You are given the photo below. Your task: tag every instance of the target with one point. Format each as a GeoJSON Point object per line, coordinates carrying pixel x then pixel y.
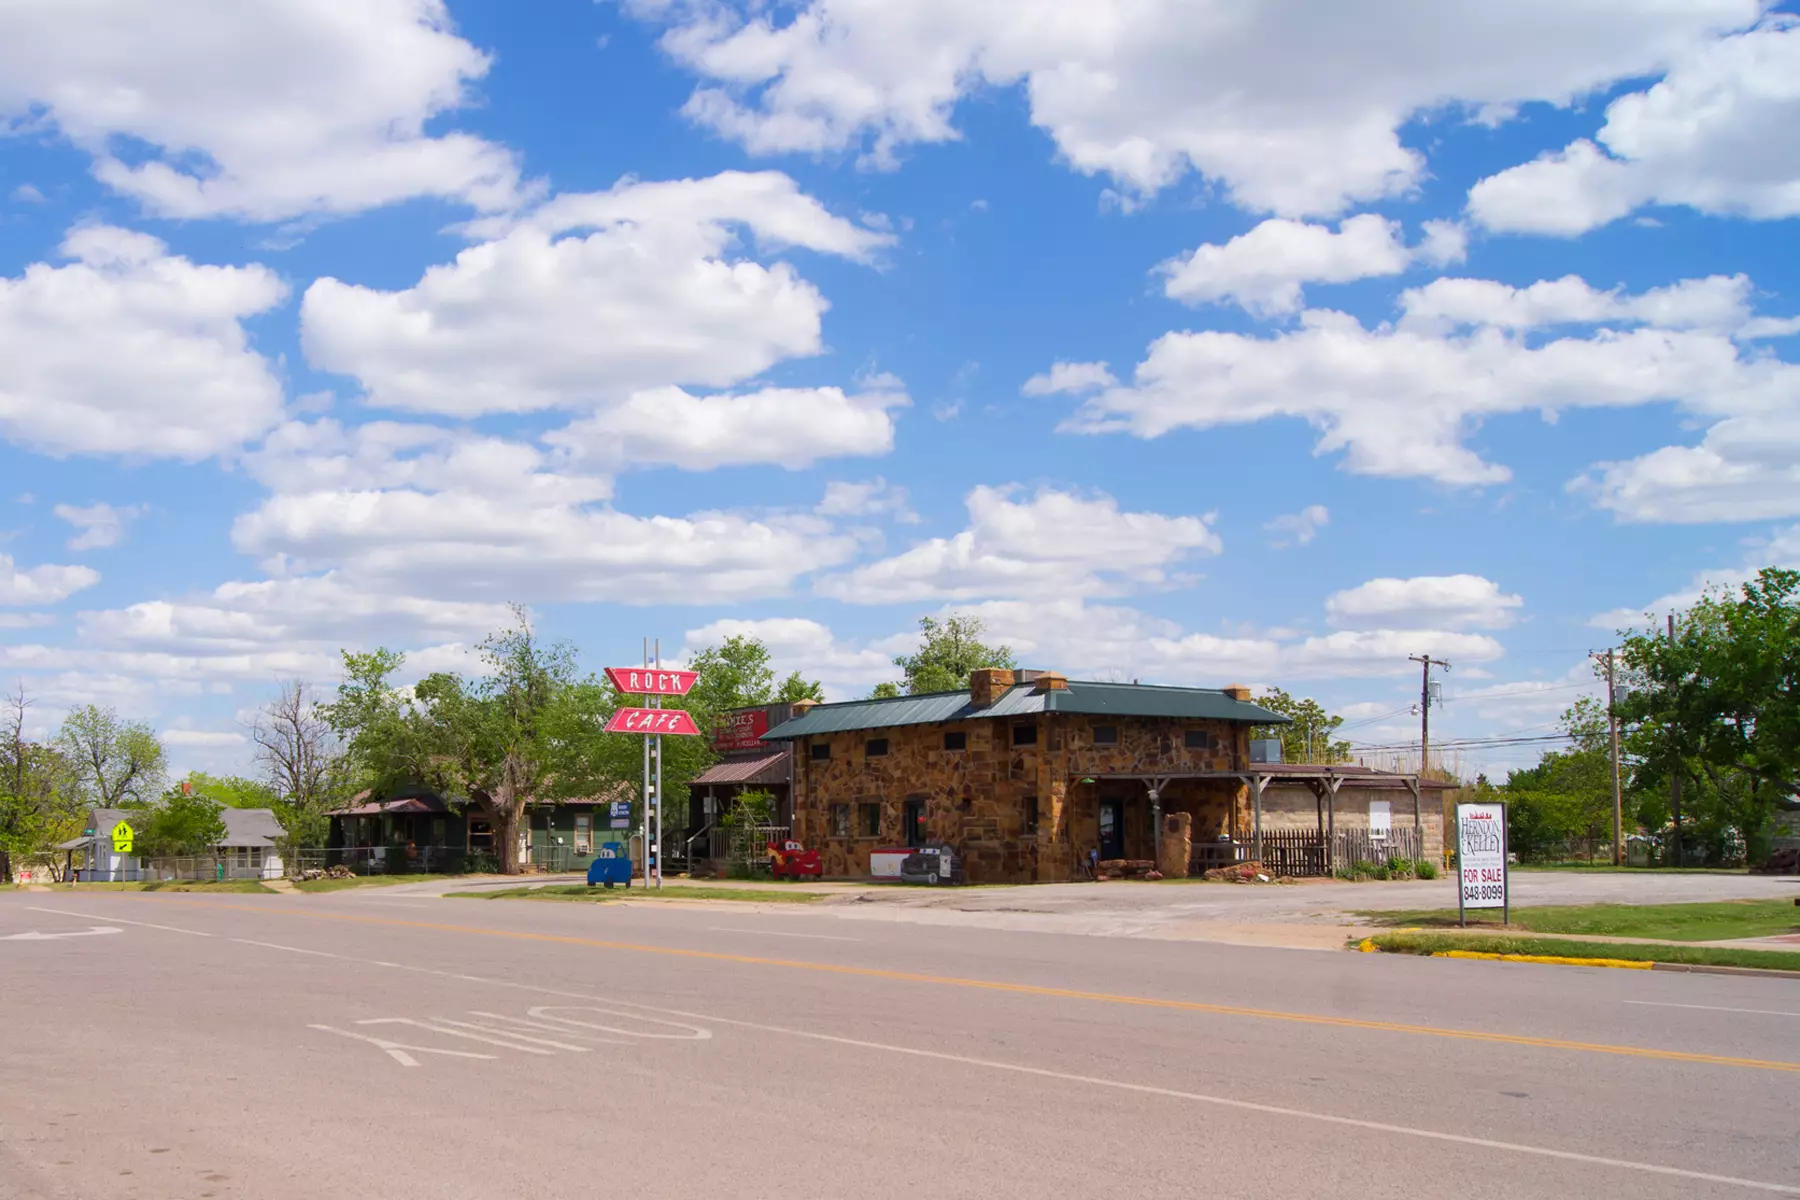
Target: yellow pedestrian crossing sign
{"type": "Point", "coordinates": [122, 838]}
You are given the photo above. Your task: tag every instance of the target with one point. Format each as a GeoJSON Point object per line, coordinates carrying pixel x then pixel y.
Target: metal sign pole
{"type": "Point", "coordinates": [1505, 865]}
{"type": "Point", "coordinates": [659, 783]}
{"type": "Point", "coordinates": [645, 792]}
{"type": "Point", "coordinates": [1462, 913]}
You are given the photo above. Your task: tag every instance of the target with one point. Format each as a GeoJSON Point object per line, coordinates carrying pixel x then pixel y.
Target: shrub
{"type": "Point", "coordinates": [1425, 869]}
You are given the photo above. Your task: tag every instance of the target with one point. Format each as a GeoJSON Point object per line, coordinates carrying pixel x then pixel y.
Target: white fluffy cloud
{"type": "Point", "coordinates": [1721, 134]}
{"type": "Point", "coordinates": [591, 299]}
{"type": "Point", "coordinates": [420, 510]}
{"type": "Point", "coordinates": [1745, 468]}
{"type": "Point", "coordinates": [1423, 602]}
{"type": "Point", "coordinates": [1401, 401]}
{"type": "Point", "coordinates": [130, 350]}
{"type": "Point", "coordinates": [1298, 528]}
{"type": "Point", "coordinates": [797, 644]}
{"type": "Point", "coordinates": [1145, 90]}
{"type": "Point", "coordinates": [42, 585]}
{"type": "Point", "coordinates": [789, 427]}
{"type": "Point", "coordinates": [1717, 302]}
{"type": "Point", "coordinates": [1070, 378]}
{"type": "Point", "coordinates": [1048, 543]}
{"type": "Point", "coordinates": [100, 525]}
{"type": "Point", "coordinates": [866, 498]}
{"type": "Point", "coordinates": [1264, 270]}
{"type": "Point", "coordinates": [254, 110]}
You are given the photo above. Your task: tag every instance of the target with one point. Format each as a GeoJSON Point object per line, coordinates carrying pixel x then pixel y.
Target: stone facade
{"type": "Point", "coordinates": [1021, 799]}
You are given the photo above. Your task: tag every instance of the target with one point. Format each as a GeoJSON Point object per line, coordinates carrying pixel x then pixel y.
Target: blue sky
{"type": "Point", "coordinates": [1227, 342]}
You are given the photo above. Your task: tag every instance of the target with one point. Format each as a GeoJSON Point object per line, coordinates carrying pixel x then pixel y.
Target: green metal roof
{"type": "Point", "coordinates": [1023, 699]}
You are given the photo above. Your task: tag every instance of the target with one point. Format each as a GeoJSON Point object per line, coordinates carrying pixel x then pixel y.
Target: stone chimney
{"type": "Point", "coordinates": [988, 685]}
{"type": "Point", "coordinates": [802, 707]}
{"type": "Point", "coordinates": [1238, 691]}
{"type": "Point", "coordinates": [1050, 681]}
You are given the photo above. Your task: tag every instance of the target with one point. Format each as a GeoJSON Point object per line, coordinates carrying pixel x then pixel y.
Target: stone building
{"type": "Point", "coordinates": [1030, 776]}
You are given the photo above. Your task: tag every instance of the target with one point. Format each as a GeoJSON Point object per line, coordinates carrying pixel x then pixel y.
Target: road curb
{"type": "Point", "coordinates": [1368, 946]}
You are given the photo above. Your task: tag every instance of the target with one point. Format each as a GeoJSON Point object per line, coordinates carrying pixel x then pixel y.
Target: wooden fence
{"type": "Point", "coordinates": [1301, 852]}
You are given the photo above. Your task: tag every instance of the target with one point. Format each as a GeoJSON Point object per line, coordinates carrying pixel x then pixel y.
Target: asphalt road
{"type": "Point", "coordinates": [369, 1044]}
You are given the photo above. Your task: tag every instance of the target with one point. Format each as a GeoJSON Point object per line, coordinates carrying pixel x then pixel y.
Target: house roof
{"type": "Point", "coordinates": [249, 828]}
{"type": "Point", "coordinates": [766, 768]}
{"type": "Point", "coordinates": [1023, 699]}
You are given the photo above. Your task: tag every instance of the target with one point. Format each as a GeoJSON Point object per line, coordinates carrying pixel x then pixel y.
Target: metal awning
{"type": "Point", "coordinates": [766, 768]}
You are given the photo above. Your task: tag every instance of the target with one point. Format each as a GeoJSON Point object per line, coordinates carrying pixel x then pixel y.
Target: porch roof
{"type": "Point", "coordinates": [766, 768]}
{"type": "Point", "coordinates": [1346, 774]}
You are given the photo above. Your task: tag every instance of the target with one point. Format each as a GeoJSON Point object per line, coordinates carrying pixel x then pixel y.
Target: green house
{"type": "Point", "coordinates": [418, 831]}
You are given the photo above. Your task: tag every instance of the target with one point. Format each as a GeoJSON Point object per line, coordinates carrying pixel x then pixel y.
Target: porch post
{"type": "Point", "coordinates": [1418, 828]}
{"type": "Point", "coordinates": [1156, 820]}
{"type": "Point", "coordinates": [1257, 783]}
{"type": "Point", "coordinates": [1332, 783]}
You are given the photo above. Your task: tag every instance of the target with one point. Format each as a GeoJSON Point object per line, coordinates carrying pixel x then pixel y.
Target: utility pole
{"type": "Point", "coordinates": [1612, 733]}
{"type": "Point", "coordinates": [1675, 779]}
{"type": "Point", "coordinates": [1426, 662]}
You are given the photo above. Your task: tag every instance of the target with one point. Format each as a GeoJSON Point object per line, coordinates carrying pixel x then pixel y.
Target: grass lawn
{"type": "Point", "coordinates": [1715, 921]}
{"type": "Point", "coordinates": [581, 891]}
{"type": "Point", "coordinates": [356, 881]}
{"type": "Point", "coordinates": [1491, 943]}
{"type": "Point", "coordinates": [1608, 868]}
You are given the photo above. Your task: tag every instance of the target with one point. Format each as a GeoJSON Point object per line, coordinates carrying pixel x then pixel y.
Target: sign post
{"type": "Point", "coordinates": [1482, 879]}
{"type": "Point", "coordinates": [653, 682]}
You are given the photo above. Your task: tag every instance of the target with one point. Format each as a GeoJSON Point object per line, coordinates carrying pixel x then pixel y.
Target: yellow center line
{"type": "Point", "coordinates": [1026, 989]}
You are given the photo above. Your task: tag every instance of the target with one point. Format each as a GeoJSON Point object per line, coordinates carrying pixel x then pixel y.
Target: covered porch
{"type": "Point", "coordinates": [1226, 817]}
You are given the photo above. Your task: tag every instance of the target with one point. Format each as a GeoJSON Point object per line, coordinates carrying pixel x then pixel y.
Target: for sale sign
{"type": "Point", "coordinates": [653, 720]}
{"type": "Point", "coordinates": [1481, 855]}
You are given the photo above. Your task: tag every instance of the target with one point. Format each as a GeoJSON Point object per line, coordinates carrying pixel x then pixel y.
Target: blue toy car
{"type": "Point", "coordinates": [612, 865]}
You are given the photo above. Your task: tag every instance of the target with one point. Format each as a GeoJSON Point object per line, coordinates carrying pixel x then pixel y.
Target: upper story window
{"type": "Point", "coordinates": [1106, 735]}
{"type": "Point", "coordinates": [1024, 735]}
{"type": "Point", "coordinates": [956, 740]}
{"type": "Point", "coordinates": [875, 747]}
{"type": "Point", "coordinates": [819, 751]}
{"type": "Point", "coordinates": [1199, 739]}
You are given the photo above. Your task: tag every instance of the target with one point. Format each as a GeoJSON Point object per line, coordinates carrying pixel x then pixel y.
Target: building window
{"type": "Point", "coordinates": [481, 837]}
{"type": "Point", "coordinates": [1031, 815]}
{"type": "Point", "coordinates": [584, 832]}
{"type": "Point", "coordinates": [1199, 739]}
{"type": "Point", "coordinates": [913, 821]}
{"type": "Point", "coordinates": [875, 748]}
{"type": "Point", "coordinates": [437, 831]}
{"type": "Point", "coordinates": [868, 822]}
{"type": "Point", "coordinates": [820, 751]}
{"type": "Point", "coordinates": [1024, 735]}
{"type": "Point", "coordinates": [1106, 735]}
{"type": "Point", "coordinates": [956, 741]}
{"type": "Point", "coordinates": [840, 820]}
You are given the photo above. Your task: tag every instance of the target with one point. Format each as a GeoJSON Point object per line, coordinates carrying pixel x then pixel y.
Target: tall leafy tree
{"type": "Point", "coordinates": [1719, 702]}
{"type": "Point", "coordinates": [115, 762]}
{"type": "Point", "coordinates": [185, 821]}
{"type": "Point", "coordinates": [1311, 736]}
{"type": "Point", "coordinates": [949, 651]}
{"type": "Point", "coordinates": [39, 803]}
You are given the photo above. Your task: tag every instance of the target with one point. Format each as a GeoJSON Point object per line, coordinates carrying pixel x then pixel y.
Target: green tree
{"type": "Point", "coordinates": [230, 791]}
{"type": "Point", "coordinates": [949, 652]}
{"type": "Point", "coordinates": [1719, 703]}
{"type": "Point", "coordinates": [1309, 739]}
{"type": "Point", "coordinates": [1567, 797]}
{"type": "Point", "coordinates": [796, 687]}
{"type": "Point", "coordinates": [39, 804]}
{"type": "Point", "coordinates": [115, 762]}
{"type": "Point", "coordinates": [184, 822]}
{"type": "Point", "coordinates": [302, 760]}
{"type": "Point", "coordinates": [885, 691]}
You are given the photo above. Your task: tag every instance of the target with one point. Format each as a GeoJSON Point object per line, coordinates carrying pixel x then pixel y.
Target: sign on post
{"type": "Point", "coordinates": [619, 815]}
{"type": "Point", "coordinates": [122, 838]}
{"type": "Point", "coordinates": [1481, 878]}
{"type": "Point", "coordinates": [741, 730]}
{"type": "Point", "coordinates": [653, 720]}
{"type": "Point", "coordinates": [652, 681]}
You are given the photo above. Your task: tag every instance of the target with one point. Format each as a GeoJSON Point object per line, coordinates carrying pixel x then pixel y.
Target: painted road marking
{"type": "Point", "coordinates": [1761, 1012]}
{"type": "Point", "coordinates": [818, 937]}
{"type": "Point", "coordinates": [45, 937]}
{"type": "Point", "coordinates": [1027, 989]}
{"type": "Point", "coordinates": [503, 1031]}
{"type": "Point", "coordinates": [121, 920]}
{"type": "Point", "coordinates": [1300, 1114]}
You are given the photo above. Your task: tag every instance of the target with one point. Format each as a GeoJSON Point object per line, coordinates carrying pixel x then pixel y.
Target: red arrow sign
{"type": "Point", "coordinates": [653, 720]}
{"type": "Point", "coordinates": [652, 681]}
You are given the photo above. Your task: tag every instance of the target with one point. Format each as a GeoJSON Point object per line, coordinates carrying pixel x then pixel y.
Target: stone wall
{"type": "Point", "coordinates": [981, 799]}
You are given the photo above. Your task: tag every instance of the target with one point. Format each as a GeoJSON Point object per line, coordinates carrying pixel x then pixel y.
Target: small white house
{"type": "Point", "coordinates": [250, 848]}
{"type": "Point", "coordinates": [251, 845]}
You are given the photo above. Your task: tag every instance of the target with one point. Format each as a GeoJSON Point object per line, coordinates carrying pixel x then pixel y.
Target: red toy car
{"type": "Point", "coordinates": [791, 860]}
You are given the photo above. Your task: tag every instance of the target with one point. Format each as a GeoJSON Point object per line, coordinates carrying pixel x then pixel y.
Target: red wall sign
{"type": "Point", "coordinates": [653, 720]}
{"type": "Point", "coordinates": [652, 681]}
{"type": "Point", "coordinates": [741, 730]}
